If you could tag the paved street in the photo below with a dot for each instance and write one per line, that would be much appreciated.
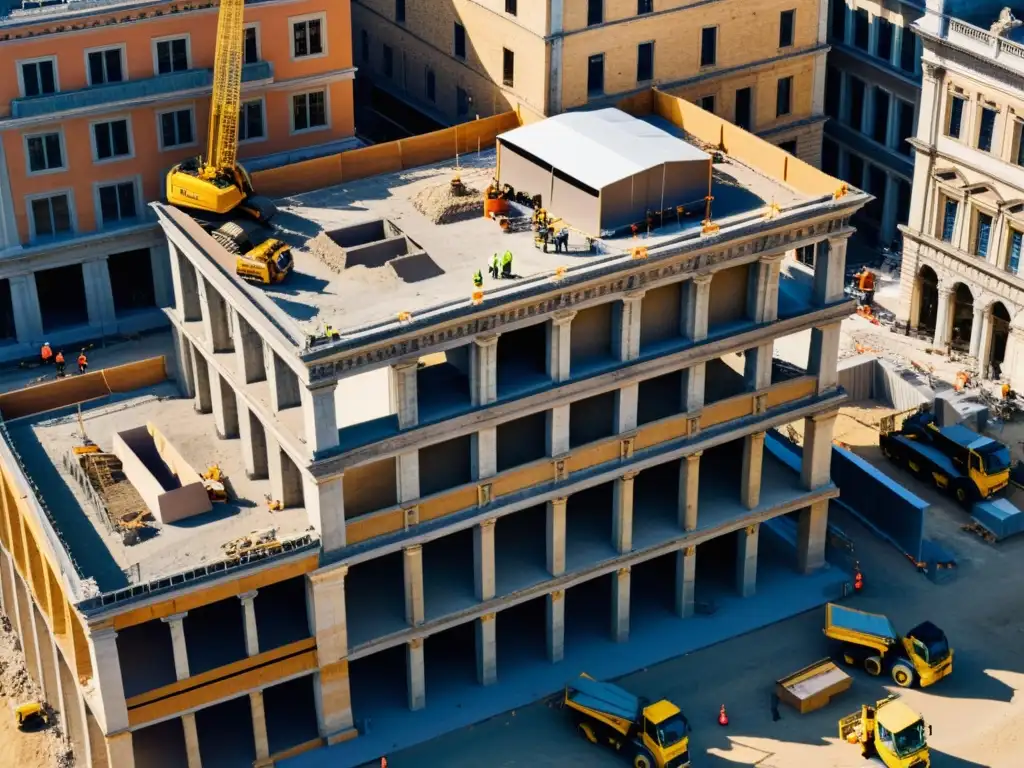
(977, 713)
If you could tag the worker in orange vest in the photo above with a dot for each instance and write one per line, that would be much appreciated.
(83, 362)
(866, 284)
(59, 360)
(46, 353)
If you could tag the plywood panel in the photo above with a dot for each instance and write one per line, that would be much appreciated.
(727, 410)
(370, 487)
(447, 503)
(377, 524)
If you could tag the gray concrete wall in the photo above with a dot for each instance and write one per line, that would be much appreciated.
(728, 300)
(445, 465)
(591, 335)
(373, 255)
(660, 314)
(370, 487)
(359, 234)
(521, 441)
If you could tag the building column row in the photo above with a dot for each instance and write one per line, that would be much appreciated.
(815, 467)
(830, 272)
(326, 610)
(694, 327)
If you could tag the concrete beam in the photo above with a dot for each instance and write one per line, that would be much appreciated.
(686, 581)
(627, 399)
(812, 536)
(416, 677)
(622, 513)
(486, 650)
(816, 466)
(830, 272)
(483, 559)
(109, 705)
(559, 341)
(556, 428)
(248, 352)
(626, 327)
(99, 296)
(407, 471)
(254, 443)
(554, 626)
(259, 725)
(695, 304)
(225, 407)
(327, 612)
(823, 359)
(746, 560)
(757, 367)
(320, 418)
(483, 370)
(484, 453)
(406, 393)
(216, 323)
(556, 536)
(750, 477)
(412, 567)
(620, 605)
(324, 502)
(689, 485)
(192, 753)
(28, 315)
(176, 625)
(252, 635)
(693, 387)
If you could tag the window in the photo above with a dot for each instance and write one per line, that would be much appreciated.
(251, 44)
(787, 26)
(364, 44)
(250, 120)
(111, 140)
(511, 7)
(833, 91)
(986, 129)
(105, 66)
(644, 6)
(708, 46)
(830, 157)
(784, 97)
(861, 29)
(956, 116)
(855, 169)
(461, 101)
(508, 67)
(171, 55)
(176, 128)
(789, 146)
(400, 11)
(388, 56)
(595, 12)
(857, 93)
(51, 216)
(949, 211)
(45, 152)
(1019, 127)
(117, 202)
(431, 86)
(884, 50)
(839, 19)
(644, 62)
(744, 96)
(460, 40)
(38, 78)
(906, 127)
(878, 183)
(707, 103)
(880, 130)
(805, 255)
(1014, 248)
(981, 235)
(595, 75)
(908, 51)
(309, 111)
(902, 201)
(307, 37)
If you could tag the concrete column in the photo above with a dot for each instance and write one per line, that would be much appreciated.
(689, 483)
(693, 387)
(216, 326)
(823, 360)
(622, 513)
(763, 289)
(757, 367)
(252, 635)
(483, 559)
(192, 754)
(559, 346)
(812, 534)
(225, 406)
(99, 296)
(320, 417)
(556, 536)
(486, 650)
(750, 478)
(830, 272)
(620, 605)
(627, 398)
(328, 615)
(686, 580)
(176, 624)
(254, 443)
(286, 482)
(407, 468)
(324, 502)
(483, 369)
(28, 317)
(183, 373)
(746, 560)
(942, 318)
(554, 626)
(977, 331)
(186, 287)
(120, 751)
(333, 698)
(284, 384)
(416, 677)
(626, 339)
(696, 300)
(159, 263)
(204, 402)
(815, 468)
(484, 453)
(248, 352)
(406, 394)
(109, 704)
(259, 725)
(412, 566)
(556, 427)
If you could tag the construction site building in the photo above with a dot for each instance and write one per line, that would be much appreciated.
(467, 492)
(961, 282)
(98, 98)
(758, 64)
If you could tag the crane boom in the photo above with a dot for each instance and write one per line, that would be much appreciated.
(227, 86)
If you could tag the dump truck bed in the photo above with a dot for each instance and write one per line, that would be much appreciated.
(604, 698)
(859, 627)
(813, 686)
(930, 452)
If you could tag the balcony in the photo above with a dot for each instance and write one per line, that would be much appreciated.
(1007, 52)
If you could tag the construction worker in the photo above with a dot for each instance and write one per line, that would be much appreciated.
(562, 240)
(495, 266)
(506, 264)
(46, 354)
(83, 362)
(866, 285)
(478, 279)
(59, 360)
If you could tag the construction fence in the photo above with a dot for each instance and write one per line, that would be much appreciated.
(80, 388)
(734, 141)
(393, 156)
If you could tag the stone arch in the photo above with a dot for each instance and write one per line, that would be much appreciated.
(950, 175)
(961, 316)
(925, 299)
(998, 319)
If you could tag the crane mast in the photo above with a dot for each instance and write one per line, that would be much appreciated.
(227, 87)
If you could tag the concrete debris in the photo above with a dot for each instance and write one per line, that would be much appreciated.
(446, 203)
(329, 252)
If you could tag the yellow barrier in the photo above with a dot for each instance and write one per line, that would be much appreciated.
(433, 147)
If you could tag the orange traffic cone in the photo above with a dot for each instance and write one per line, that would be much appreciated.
(723, 718)
(858, 578)
(383, 762)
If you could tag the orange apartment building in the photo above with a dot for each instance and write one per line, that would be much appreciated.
(98, 99)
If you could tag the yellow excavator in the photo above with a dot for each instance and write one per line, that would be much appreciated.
(215, 189)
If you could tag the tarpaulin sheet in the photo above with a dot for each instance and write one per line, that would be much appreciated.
(872, 624)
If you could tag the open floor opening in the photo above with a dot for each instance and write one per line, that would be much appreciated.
(656, 505)
(519, 559)
(62, 297)
(522, 360)
(378, 684)
(290, 711)
(588, 527)
(131, 281)
(590, 345)
(375, 598)
(448, 582)
(442, 384)
(592, 418)
(225, 734)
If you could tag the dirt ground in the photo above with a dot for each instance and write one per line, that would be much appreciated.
(37, 749)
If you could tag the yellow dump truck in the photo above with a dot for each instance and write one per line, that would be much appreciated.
(922, 656)
(651, 735)
(890, 733)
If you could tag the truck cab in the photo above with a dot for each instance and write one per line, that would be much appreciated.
(890, 732)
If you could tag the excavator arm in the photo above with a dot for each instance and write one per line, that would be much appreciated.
(227, 87)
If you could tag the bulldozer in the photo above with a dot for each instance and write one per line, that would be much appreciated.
(890, 733)
(266, 261)
(213, 482)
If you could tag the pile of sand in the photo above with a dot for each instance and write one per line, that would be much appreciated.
(442, 205)
(327, 251)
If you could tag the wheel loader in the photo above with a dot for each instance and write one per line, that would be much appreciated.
(890, 733)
